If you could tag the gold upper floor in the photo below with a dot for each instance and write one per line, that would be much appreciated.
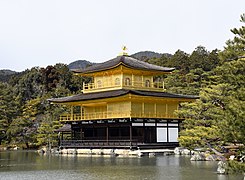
(123, 77)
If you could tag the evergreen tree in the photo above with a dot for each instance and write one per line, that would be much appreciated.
(180, 60)
(7, 109)
(46, 134)
(218, 116)
(236, 47)
(23, 129)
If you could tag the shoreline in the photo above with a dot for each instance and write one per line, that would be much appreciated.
(110, 152)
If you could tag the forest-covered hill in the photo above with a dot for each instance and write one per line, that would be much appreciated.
(6, 74)
(146, 55)
(142, 55)
(79, 64)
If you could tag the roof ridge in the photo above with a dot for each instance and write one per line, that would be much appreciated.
(128, 61)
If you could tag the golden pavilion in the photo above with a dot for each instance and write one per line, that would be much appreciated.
(124, 105)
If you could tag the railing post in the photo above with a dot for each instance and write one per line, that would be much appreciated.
(71, 112)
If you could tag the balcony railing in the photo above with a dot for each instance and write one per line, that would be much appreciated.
(109, 115)
(108, 85)
(97, 143)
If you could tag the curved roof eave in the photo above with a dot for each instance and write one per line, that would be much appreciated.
(117, 93)
(125, 60)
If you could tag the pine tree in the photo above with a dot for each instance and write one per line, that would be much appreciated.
(23, 129)
(218, 116)
(8, 109)
(46, 134)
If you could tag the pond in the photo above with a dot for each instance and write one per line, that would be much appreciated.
(28, 165)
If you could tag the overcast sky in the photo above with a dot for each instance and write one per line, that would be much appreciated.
(46, 32)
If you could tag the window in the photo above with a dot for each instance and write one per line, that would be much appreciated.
(147, 83)
(99, 83)
(117, 81)
(127, 82)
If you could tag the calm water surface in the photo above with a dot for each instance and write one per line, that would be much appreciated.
(28, 165)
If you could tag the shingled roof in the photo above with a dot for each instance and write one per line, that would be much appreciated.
(116, 93)
(127, 61)
(64, 128)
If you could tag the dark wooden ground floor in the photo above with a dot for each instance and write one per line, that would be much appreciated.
(122, 133)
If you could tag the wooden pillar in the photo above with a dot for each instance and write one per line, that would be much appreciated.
(155, 110)
(71, 112)
(144, 138)
(167, 132)
(130, 134)
(81, 112)
(81, 133)
(142, 80)
(122, 82)
(119, 132)
(107, 134)
(132, 77)
(72, 134)
(143, 109)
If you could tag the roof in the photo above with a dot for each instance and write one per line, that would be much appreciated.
(64, 128)
(127, 61)
(116, 93)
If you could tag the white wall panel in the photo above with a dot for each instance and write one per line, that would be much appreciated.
(161, 134)
(173, 134)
